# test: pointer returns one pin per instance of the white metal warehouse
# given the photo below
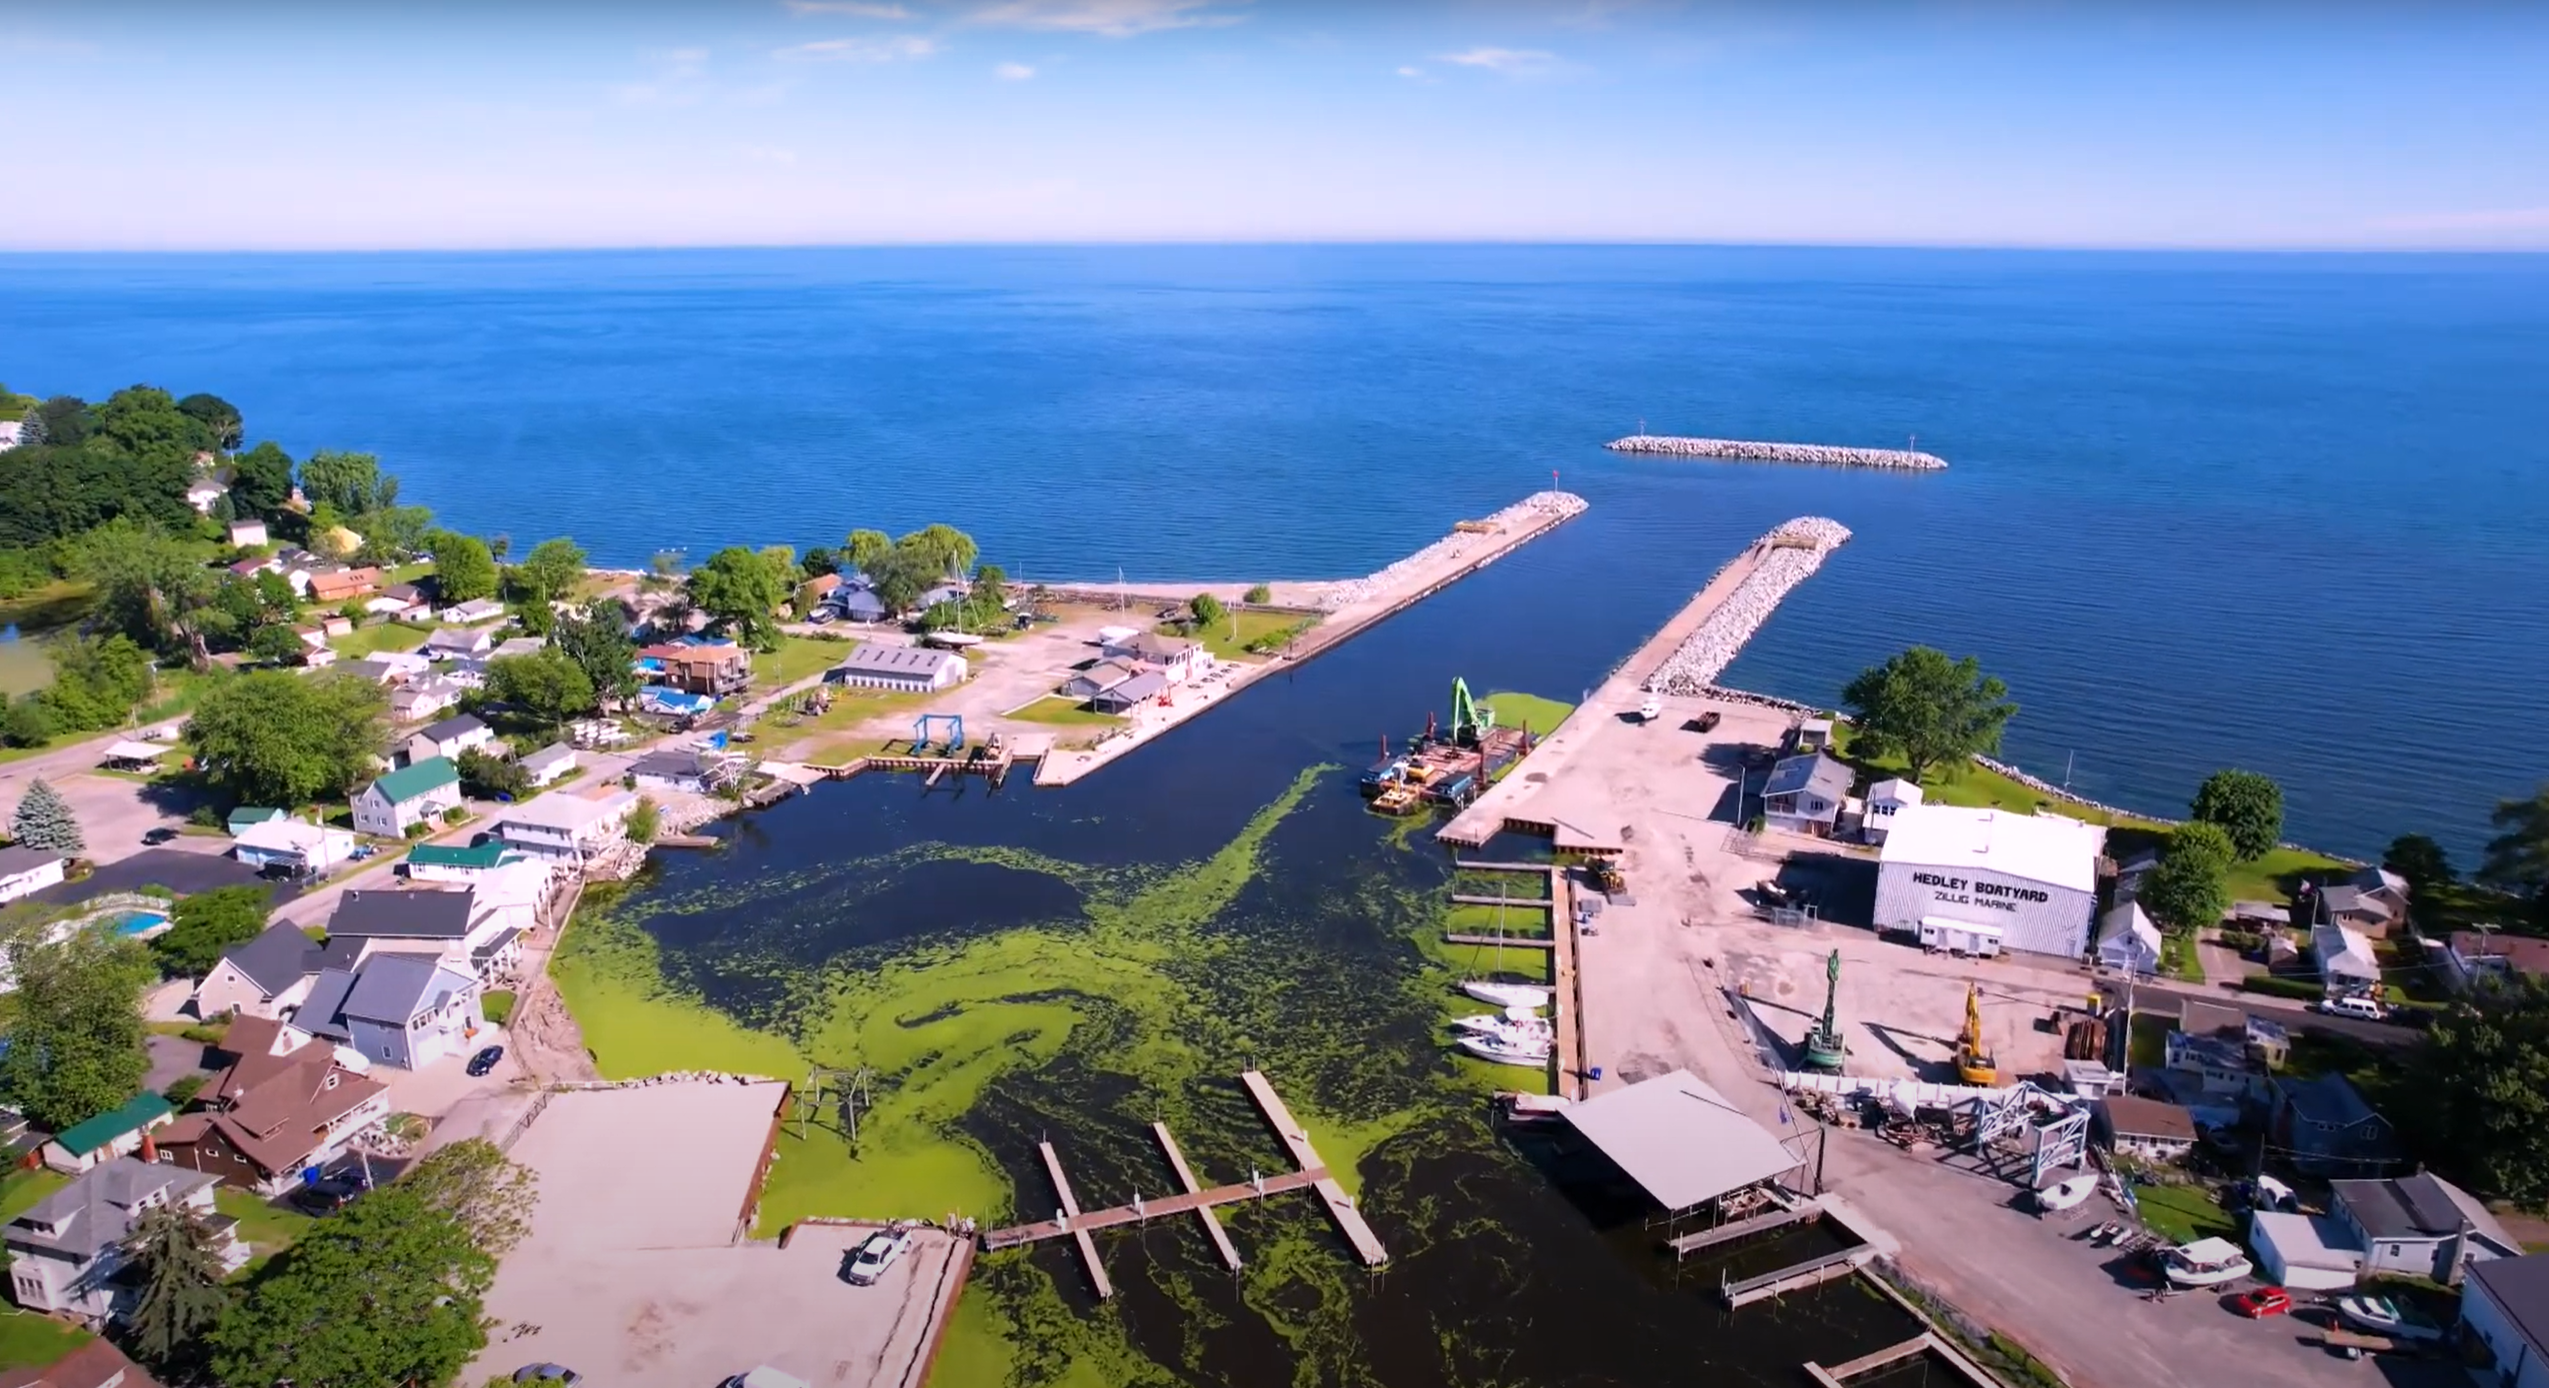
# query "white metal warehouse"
(1980, 881)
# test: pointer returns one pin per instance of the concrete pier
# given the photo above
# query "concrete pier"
(1813, 454)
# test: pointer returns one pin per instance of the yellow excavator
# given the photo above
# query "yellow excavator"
(1974, 1063)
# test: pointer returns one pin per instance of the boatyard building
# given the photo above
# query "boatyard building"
(1978, 881)
(911, 669)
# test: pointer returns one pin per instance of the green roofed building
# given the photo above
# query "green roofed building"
(111, 1134)
(437, 862)
(410, 795)
(248, 815)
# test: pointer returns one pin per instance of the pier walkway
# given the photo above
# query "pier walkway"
(1349, 1221)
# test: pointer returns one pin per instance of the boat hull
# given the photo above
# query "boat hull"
(1508, 994)
(1500, 1053)
(2207, 1277)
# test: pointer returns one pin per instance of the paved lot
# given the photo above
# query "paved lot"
(633, 1274)
(115, 812)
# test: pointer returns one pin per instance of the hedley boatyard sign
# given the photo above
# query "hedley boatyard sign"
(1947, 890)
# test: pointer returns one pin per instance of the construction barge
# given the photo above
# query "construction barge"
(1445, 766)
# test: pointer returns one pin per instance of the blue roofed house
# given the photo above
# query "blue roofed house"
(402, 1010)
(408, 796)
(2329, 1128)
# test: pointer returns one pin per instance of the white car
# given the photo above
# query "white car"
(1650, 710)
(873, 1258)
(2353, 1006)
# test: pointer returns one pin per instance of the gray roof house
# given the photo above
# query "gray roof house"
(679, 768)
(2419, 1226)
(65, 1250)
(2329, 1128)
(2504, 1310)
(266, 977)
(1123, 697)
(1804, 794)
(408, 915)
(2128, 942)
(1099, 678)
(856, 604)
(404, 1010)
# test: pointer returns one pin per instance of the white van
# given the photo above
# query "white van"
(2354, 1005)
(765, 1377)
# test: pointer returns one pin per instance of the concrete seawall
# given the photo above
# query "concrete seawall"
(1784, 558)
(1815, 454)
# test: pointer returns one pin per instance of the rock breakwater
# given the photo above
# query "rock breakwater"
(1788, 556)
(1816, 454)
(1532, 512)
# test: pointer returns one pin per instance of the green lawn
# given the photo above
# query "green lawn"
(1066, 713)
(2147, 1049)
(1229, 638)
(497, 1004)
(19, 1190)
(1541, 716)
(379, 637)
(2183, 1214)
(266, 1229)
(795, 659)
(406, 573)
(28, 1340)
(2179, 959)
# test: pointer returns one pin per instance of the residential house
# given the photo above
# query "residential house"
(2418, 1226)
(514, 646)
(550, 764)
(12, 433)
(65, 1251)
(204, 495)
(2504, 1308)
(246, 815)
(266, 977)
(1804, 794)
(1180, 661)
(295, 846)
(450, 738)
(566, 828)
(411, 795)
(424, 698)
(1099, 678)
(1132, 693)
(398, 602)
(693, 769)
(441, 862)
(248, 534)
(2208, 1059)
(26, 870)
(256, 564)
(402, 1010)
(2259, 915)
(2129, 874)
(459, 643)
(819, 589)
(93, 1141)
(285, 1104)
(94, 1364)
(339, 584)
(2305, 1252)
(2372, 902)
(954, 590)
(1884, 799)
(2146, 1128)
(372, 668)
(2345, 960)
(470, 928)
(471, 613)
(2127, 941)
(912, 669)
(2328, 1128)
(714, 670)
(2491, 959)
(857, 604)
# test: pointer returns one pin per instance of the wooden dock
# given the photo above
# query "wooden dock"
(1517, 941)
(1566, 1019)
(1813, 1272)
(1071, 1220)
(1839, 1374)
(1186, 1178)
(1689, 1244)
(1516, 902)
(1296, 1139)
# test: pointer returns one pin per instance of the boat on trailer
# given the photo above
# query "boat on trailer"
(2205, 1263)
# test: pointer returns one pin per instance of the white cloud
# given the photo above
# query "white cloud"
(1115, 19)
(1411, 72)
(1512, 62)
(864, 9)
(1013, 72)
(890, 48)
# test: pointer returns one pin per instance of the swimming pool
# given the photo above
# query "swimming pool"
(138, 924)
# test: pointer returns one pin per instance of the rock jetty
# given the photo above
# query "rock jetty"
(1823, 455)
(1537, 509)
(1789, 555)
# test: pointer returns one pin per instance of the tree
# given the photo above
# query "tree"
(740, 589)
(183, 1282)
(206, 924)
(2247, 806)
(151, 584)
(942, 551)
(473, 1182)
(1258, 593)
(550, 571)
(869, 551)
(644, 819)
(485, 777)
(463, 569)
(351, 483)
(1928, 709)
(1207, 609)
(29, 723)
(546, 684)
(276, 644)
(2421, 861)
(44, 821)
(2518, 857)
(76, 1039)
(596, 639)
(219, 417)
(96, 683)
(273, 738)
(819, 561)
(2483, 1080)
(2190, 887)
(261, 480)
(388, 1292)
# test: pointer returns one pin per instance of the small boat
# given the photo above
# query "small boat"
(1508, 1050)
(2205, 1263)
(2067, 1195)
(1507, 994)
(1511, 1019)
(2383, 1315)
(2104, 1234)
(1526, 1110)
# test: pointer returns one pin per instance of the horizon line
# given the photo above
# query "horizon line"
(1102, 243)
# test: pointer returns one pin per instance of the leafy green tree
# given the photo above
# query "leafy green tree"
(1207, 609)
(96, 683)
(2190, 886)
(151, 584)
(485, 777)
(2421, 861)
(29, 722)
(463, 569)
(596, 639)
(276, 644)
(274, 738)
(942, 551)
(2482, 1081)
(184, 1289)
(1928, 709)
(66, 420)
(219, 418)
(261, 480)
(44, 821)
(644, 818)
(741, 590)
(206, 924)
(550, 571)
(144, 424)
(472, 1181)
(869, 551)
(1258, 593)
(2517, 858)
(2247, 806)
(388, 1292)
(75, 1030)
(351, 483)
(782, 563)
(819, 561)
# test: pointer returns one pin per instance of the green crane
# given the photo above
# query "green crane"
(1470, 719)
(1824, 1050)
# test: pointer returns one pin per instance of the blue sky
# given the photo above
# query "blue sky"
(381, 125)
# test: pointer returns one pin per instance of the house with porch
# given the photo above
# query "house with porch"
(566, 828)
(424, 697)
(2345, 959)
(1099, 678)
(266, 977)
(713, 670)
(406, 1011)
(2418, 1226)
(1804, 794)
(285, 1103)
(66, 1250)
(444, 862)
(1180, 661)
(415, 794)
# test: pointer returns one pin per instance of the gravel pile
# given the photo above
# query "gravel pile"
(1449, 549)
(1824, 454)
(1693, 668)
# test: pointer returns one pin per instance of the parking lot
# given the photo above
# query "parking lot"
(636, 1271)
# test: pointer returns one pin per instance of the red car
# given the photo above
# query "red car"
(2265, 1301)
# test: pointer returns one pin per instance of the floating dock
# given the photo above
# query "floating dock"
(1349, 1221)
(1813, 1272)
(1812, 454)
(1689, 1244)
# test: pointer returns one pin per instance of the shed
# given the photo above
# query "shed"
(129, 755)
(1680, 1140)
(108, 1135)
(2146, 1128)
(2305, 1252)
(2128, 942)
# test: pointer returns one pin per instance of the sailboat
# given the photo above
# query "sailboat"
(1511, 1019)
(1523, 995)
(1508, 1050)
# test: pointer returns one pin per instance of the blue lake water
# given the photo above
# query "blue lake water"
(2284, 512)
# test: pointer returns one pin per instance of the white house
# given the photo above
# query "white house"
(2505, 1307)
(1804, 794)
(296, 844)
(1980, 880)
(692, 769)
(1883, 800)
(450, 738)
(396, 1009)
(95, 1141)
(266, 977)
(442, 862)
(203, 494)
(248, 534)
(423, 698)
(550, 764)
(2146, 1128)
(453, 927)
(459, 643)
(2345, 959)
(566, 827)
(26, 870)
(471, 613)
(65, 1252)
(1180, 661)
(410, 795)
(2419, 1226)
(2127, 941)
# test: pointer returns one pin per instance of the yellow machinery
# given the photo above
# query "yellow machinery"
(1974, 1063)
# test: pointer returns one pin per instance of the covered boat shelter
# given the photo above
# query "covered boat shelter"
(1681, 1142)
